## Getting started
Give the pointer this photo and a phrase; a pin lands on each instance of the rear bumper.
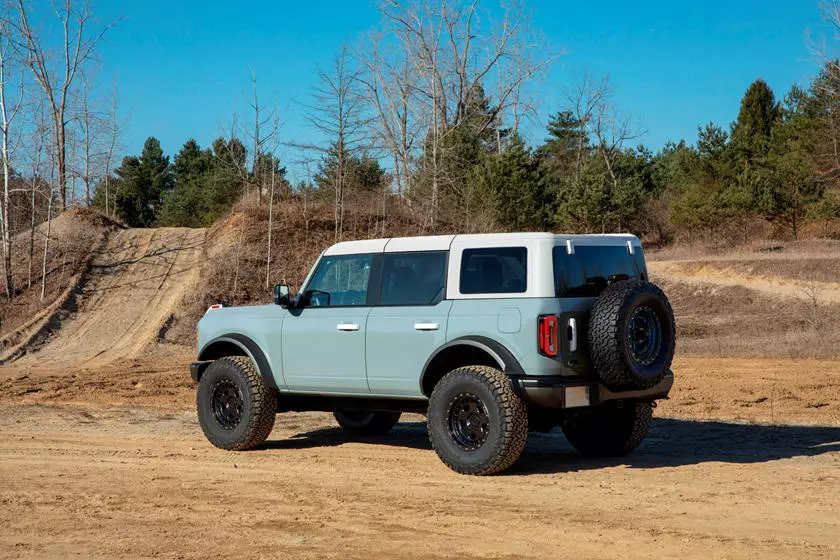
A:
(577, 392)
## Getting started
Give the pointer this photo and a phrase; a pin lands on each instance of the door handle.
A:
(573, 335)
(426, 326)
(348, 327)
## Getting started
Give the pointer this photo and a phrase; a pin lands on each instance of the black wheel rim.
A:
(227, 404)
(469, 422)
(644, 335)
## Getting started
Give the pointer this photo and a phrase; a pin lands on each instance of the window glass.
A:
(500, 270)
(340, 281)
(413, 278)
(586, 272)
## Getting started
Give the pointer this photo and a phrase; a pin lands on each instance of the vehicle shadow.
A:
(670, 442)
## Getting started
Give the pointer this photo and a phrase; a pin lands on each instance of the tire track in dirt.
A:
(827, 292)
(134, 284)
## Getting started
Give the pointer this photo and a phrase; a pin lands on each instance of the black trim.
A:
(549, 391)
(374, 291)
(505, 359)
(197, 370)
(297, 402)
(250, 347)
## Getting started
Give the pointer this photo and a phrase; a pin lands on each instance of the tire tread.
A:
(263, 408)
(515, 429)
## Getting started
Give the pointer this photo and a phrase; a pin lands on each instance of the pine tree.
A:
(751, 132)
(142, 183)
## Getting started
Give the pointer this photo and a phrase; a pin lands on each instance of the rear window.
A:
(413, 278)
(498, 270)
(586, 272)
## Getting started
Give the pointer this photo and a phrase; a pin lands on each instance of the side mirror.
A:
(281, 294)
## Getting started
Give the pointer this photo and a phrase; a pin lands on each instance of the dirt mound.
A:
(123, 300)
(74, 236)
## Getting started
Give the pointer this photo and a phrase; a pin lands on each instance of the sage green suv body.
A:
(379, 323)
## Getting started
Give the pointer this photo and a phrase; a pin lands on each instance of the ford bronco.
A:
(489, 336)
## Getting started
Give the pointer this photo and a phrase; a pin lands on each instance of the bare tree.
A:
(452, 49)
(56, 79)
(8, 111)
(90, 125)
(389, 89)
(337, 112)
(262, 117)
(273, 183)
(35, 183)
(599, 120)
(114, 129)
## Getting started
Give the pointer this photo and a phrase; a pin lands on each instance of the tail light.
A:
(547, 335)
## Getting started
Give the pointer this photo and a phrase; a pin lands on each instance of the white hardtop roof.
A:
(445, 242)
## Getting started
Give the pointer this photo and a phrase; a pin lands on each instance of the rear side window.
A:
(498, 270)
(586, 272)
(413, 278)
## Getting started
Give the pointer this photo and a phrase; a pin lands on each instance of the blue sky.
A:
(184, 66)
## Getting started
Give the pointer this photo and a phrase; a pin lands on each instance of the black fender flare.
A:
(249, 347)
(501, 355)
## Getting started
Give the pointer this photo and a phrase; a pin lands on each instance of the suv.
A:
(488, 335)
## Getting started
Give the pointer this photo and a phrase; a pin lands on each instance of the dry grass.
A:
(234, 272)
(734, 321)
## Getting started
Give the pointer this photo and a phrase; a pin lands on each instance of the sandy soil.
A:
(110, 462)
(694, 273)
(133, 287)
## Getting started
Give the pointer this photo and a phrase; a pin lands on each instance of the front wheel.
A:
(363, 423)
(610, 430)
(236, 409)
(477, 424)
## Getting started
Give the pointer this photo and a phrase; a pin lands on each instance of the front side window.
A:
(340, 281)
(498, 270)
(413, 278)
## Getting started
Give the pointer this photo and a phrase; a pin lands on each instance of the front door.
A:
(409, 323)
(324, 340)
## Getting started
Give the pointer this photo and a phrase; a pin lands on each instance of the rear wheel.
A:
(363, 423)
(610, 430)
(235, 408)
(477, 424)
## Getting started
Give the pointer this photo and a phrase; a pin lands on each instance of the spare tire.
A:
(632, 335)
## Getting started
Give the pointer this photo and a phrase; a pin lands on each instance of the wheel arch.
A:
(467, 351)
(238, 345)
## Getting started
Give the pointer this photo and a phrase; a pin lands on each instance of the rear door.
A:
(408, 323)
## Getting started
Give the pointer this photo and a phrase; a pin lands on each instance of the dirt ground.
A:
(112, 463)
(101, 454)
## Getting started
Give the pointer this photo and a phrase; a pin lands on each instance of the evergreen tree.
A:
(141, 184)
(187, 204)
(751, 132)
(515, 185)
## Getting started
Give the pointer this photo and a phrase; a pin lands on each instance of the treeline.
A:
(775, 164)
(427, 111)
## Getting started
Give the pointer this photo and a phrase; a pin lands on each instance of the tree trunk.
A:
(270, 228)
(46, 248)
(31, 236)
(61, 153)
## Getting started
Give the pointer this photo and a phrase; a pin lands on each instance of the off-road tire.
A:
(258, 404)
(506, 420)
(367, 424)
(610, 430)
(609, 347)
